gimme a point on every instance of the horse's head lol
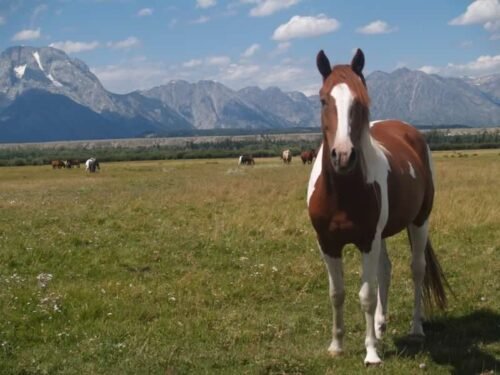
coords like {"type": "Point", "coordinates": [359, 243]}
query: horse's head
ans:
{"type": "Point", "coordinates": [344, 114]}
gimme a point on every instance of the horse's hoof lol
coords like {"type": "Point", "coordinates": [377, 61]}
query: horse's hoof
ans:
{"type": "Point", "coordinates": [335, 353]}
{"type": "Point", "coordinates": [372, 359]}
{"type": "Point", "coordinates": [373, 363]}
{"type": "Point", "coordinates": [416, 338]}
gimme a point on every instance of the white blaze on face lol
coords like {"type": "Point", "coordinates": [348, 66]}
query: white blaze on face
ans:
{"type": "Point", "coordinates": [343, 99]}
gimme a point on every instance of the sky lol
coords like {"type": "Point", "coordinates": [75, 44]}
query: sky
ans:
{"type": "Point", "coordinates": [138, 44]}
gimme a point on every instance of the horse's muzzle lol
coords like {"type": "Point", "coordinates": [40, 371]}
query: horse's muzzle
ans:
{"type": "Point", "coordinates": [344, 161]}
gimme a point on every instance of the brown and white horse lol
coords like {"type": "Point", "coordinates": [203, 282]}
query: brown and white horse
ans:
{"type": "Point", "coordinates": [369, 183]}
{"type": "Point", "coordinates": [286, 156]}
{"type": "Point", "coordinates": [308, 156]}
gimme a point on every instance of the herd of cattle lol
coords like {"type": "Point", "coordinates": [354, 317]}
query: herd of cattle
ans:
{"type": "Point", "coordinates": [91, 165]}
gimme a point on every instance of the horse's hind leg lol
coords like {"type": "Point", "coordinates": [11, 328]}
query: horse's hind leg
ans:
{"type": "Point", "coordinates": [384, 280]}
{"type": "Point", "coordinates": [418, 240]}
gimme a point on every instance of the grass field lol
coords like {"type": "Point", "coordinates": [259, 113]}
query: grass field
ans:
{"type": "Point", "coordinates": [204, 267]}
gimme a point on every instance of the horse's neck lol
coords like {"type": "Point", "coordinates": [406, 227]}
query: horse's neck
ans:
{"type": "Point", "coordinates": [373, 158]}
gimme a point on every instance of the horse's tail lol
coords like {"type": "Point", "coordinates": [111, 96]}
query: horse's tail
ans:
{"type": "Point", "coordinates": [435, 282]}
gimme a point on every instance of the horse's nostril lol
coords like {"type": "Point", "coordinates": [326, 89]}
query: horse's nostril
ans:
{"type": "Point", "coordinates": [334, 154]}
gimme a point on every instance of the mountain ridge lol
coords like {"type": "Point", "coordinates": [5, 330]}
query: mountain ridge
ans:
{"type": "Point", "coordinates": [30, 76]}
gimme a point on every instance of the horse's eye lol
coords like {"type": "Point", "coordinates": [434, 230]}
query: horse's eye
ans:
{"type": "Point", "coordinates": [323, 102]}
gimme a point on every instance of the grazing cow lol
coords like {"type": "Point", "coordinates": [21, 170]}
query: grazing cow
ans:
{"type": "Point", "coordinates": [91, 165]}
{"type": "Point", "coordinates": [369, 183]}
{"type": "Point", "coordinates": [246, 160]}
{"type": "Point", "coordinates": [286, 156]}
{"type": "Point", "coordinates": [308, 156]}
{"type": "Point", "coordinates": [57, 164]}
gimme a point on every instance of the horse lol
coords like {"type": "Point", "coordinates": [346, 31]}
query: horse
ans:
{"type": "Point", "coordinates": [246, 160]}
{"type": "Point", "coordinates": [91, 165]}
{"type": "Point", "coordinates": [57, 164]}
{"type": "Point", "coordinates": [369, 183]}
{"type": "Point", "coordinates": [73, 163]}
{"type": "Point", "coordinates": [308, 156]}
{"type": "Point", "coordinates": [286, 156]}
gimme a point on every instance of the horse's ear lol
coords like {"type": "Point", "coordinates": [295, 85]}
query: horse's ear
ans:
{"type": "Point", "coordinates": [358, 62]}
{"type": "Point", "coordinates": [323, 64]}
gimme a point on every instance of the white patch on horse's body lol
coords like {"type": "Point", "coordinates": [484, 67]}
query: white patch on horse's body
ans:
{"type": "Point", "coordinates": [239, 161]}
{"type": "Point", "coordinates": [315, 173]}
{"type": "Point", "coordinates": [411, 170]}
{"type": "Point", "coordinates": [343, 99]}
{"type": "Point", "coordinates": [19, 70]}
{"type": "Point", "coordinates": [87, 164]}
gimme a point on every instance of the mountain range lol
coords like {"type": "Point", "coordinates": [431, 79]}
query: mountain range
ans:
{"type": "Point", "coordinates": [47, 96]}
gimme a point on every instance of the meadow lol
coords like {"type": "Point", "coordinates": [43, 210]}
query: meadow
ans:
{"type": "Point", "coordinates": [205, 267]}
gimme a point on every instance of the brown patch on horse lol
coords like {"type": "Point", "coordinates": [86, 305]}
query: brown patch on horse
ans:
{"type": "Point", "coordinates": [344, 221]}
{"type": "Point", "coordinates": [406, 147]}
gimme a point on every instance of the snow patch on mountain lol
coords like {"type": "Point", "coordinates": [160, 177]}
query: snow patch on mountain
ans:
{"type": "Point", "coordinates": [19, 70]}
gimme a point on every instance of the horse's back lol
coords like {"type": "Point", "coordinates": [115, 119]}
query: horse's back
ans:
{"type": "Point", "coordinates": [411, 185]}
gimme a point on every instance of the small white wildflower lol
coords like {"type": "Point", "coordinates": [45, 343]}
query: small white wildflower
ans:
{"type": "Point", "coordinates": [172, 299]}
{"type": "Point", "coordinates": [422, 366]}
{"type": "Point", "coordinates": [243, 259]}
{"type": "Point", "coordinates": [44, 279]}
{"type": "Point", "coordinates": [275, 269]}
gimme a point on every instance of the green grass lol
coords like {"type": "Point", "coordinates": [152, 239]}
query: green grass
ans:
{"type": "Point", "coordinates": [204, 267]}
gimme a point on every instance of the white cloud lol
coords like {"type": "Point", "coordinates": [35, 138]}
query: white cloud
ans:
{"type": "Point", "coordinates": [145, 12]}
{"type": "Point", "coordinates": [376, 27]}
{"type": "Point", "coordinates": [2, 20]}
{"type": "Point", "coordinates": [281, 74]}
{"type": "Point", "coordinates": [192, 63]}
{"type": "Point", "coordinates": [75, 47]}
{"type": "Point", "coordinates": [492, 26]}
{"type": "Point", "coordinates": [218, 60]}
{"type": "Point", "coordinates": [268, 7]}
{"type": "Point", "coordinates": [250, 51]}
{"type": "Point", "coordinates": [481, 66]}
{"type": "Point", "coordinates": [172, 23]}
{"type": "Point", "coordinates": [236, 72]}
{"type": "Point", "coordinates": [429, 69]}
{"type": "Point", "coordinates": [201, 19]}
{"type": "Point", "coordinates": [205, 3]}
{"type": "Point", "coordinates": [480, 11]}
{"type": "Point", "coordinates": [305, 26]}
{"type": "Point", "coordinates": [132, 76]}
{"type": "Point", "coordinates": [130, 42]}
{"type": "Point", "coordinates": [27, 35]}
{"type": "Point", "coordinates": [37, 12]}
{"type": "Point", "coordinates": [281, 48]}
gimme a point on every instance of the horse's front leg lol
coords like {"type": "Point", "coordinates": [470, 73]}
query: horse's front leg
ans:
{"type": "Point", "coordinates": [368, 299]}
{"type": "Point", "coordinates": [384, 280]}
{"type": "Point", "coordinates": [337, 296]}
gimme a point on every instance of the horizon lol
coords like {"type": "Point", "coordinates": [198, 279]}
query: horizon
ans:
{"type": "Point", "coordinates": [263, 43]}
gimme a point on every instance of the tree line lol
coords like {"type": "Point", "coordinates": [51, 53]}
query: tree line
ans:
{"type": "Point", "coordinates": [267, 146]}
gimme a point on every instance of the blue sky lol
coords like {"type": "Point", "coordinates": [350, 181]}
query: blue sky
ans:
{"type": "Point", "coordinates": [138, 44]}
